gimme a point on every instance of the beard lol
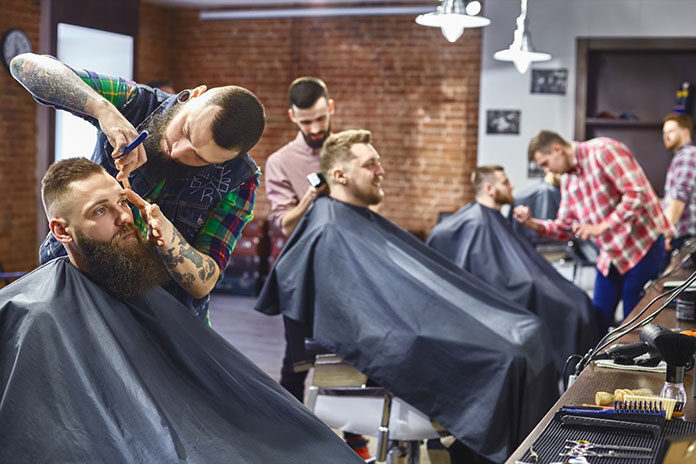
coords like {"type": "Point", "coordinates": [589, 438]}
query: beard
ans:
{"type": "Point", "coordinates": [369, 197]}
{"type": "Point", "coordinates": [165, 166]}
{"type": "Point", "coordinates": [673, 145]}
{"type": "Point", "coordinates": [318, 143]}
{"type": "Point", "coordinates": [503, 198]}
{"type": "Point", "coordinates": [124, 270]}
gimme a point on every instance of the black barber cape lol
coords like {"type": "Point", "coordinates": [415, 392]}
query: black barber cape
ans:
{"type": "Point", "coordinates": [85, 377]}
{"type": "Point", "coordinates": [543, 200]}
{"type": "Point", "coordinates": [480, 240]}
{"type": "Point", "coordinates": [432, 334]}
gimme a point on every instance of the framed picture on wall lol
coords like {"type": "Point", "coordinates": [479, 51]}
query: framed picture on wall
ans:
{"type": "Point", "coordinates": [553, 81]}
{"type": "Point", "coordinates": [534, 171]}
{"type": "Point", "coordinates": [503, 122]}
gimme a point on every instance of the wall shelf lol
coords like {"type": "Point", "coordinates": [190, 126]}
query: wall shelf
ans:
{"type": "Point", "coordinates": [622, 123]}
{"type": "Point", "coordinates": [637, 76]}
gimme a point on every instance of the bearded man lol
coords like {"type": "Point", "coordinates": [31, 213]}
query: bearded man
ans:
{"type": "Point", "coordinates": [193, 164]}
{"type": "Point", "coordinates": [480, 240]}
{"type": "Point", "coordinates": [98, 364]}
{"type": "Point", "coordinates": [432, 334]}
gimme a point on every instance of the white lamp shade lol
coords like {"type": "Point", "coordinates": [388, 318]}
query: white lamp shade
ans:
{"type": "Point", "coordinates": [521, 58]}
{"type": "Point", "coordinates": [436, 19]}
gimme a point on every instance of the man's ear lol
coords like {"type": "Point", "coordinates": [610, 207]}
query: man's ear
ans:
{"type": "Point", "coordinates": [488, 188]}
{"type": "Point", "coordinates": [338, 177]}
{"type": "Point", "coordinates": [331, 106]}
{"type": "Point", "coordinates": [198, 91]}
{"type": "Point", "coordinates": [60, 230]}
{"type": "Point", "coordinates": [291, 115]}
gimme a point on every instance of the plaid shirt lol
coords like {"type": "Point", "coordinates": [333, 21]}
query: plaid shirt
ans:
{"type": "Point", "coordinates": [220, 232]}
{"type": "Point", "coordinates": [223, 227]}
{"type": "Point", "coordinates": [681, 185]}
{"type": "Point", "coordinates": [606, 184]}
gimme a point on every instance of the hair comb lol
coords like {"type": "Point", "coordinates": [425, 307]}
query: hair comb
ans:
{"type": "Point", "coordinates": [644, 404]}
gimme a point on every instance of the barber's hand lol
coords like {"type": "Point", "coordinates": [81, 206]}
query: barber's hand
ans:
{"type": "Point", "coordinates": [312, 193]}
{"type": "Point", "coordinates": [585, 231]}
{"type": "Point", "coordinates": [522, 214]}
{"type": "Point", "coordinates": [159, 229]}
{"type": "Point", "coordinates": [120, 133]}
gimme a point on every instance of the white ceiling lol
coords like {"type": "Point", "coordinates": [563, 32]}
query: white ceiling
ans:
{"type": "Point", "coordinates": [276, 3]}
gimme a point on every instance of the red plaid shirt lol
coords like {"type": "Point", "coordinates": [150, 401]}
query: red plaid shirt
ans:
{"type": "Point", "coordinates": [606, 184]}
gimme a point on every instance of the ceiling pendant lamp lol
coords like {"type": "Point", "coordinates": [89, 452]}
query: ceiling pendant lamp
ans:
{"type": "Point", "coordinates": [521, 52]}
{"type": "Point", "coordinates": [452, 17]}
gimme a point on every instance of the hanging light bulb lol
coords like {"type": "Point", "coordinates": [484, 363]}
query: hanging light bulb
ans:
{"type": "Point", "coordinates": [473, 8]}
{"type": "Point", "coordinates": [521, 52]}
{"type": "Point", "coordinates": [452, 18]}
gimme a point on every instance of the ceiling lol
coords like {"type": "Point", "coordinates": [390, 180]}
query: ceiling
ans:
{"type": "Point", "coordinates": [230, 4]}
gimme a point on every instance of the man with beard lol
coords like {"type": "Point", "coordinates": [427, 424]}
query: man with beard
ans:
{"type": "Point", "coordinates": [680, 185]}
{"type": "Point", "coordinates": [91, 217]}
{"type": "Point", "coordinates": [98, 364]}
{"type": "Point", "coordinates": [480, 240]}
{"type": "Point", "coordinates": [429, 332]}
{"type": "Point", "coordinates": [193, 164]}
{"type": "Point", "coordinates": [311, 110]}
{"type": "Point", "coordinates": [606, 196]}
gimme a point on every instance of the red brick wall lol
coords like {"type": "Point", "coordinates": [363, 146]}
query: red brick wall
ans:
{"type": "Point", "coordinates": [18, 214]}
{"type": "Point", "coordinates": [415, 91]}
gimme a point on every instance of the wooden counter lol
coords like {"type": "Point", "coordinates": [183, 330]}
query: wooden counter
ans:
{"type": "Point", "coordinates": [593, 378]}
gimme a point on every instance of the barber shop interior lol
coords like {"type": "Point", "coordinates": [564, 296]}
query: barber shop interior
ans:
{"type": "Point", "coordinates": [345, 231]}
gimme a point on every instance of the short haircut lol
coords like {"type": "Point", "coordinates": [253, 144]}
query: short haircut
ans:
{"type": "Point", "coordinates": [241, 120]}
{"type": "Point", "coordinates": [305, 91]}
{"type": "Point", "coordinates": [336, 148]}
{"type": "Point", "coordinates": [484, 174]}
{"type": "Point", "coordinates": [542, 141]}
{"type": "Point", "coordinates": [684, 121]}
{"type": "Point", "coordinates": [55, 185]}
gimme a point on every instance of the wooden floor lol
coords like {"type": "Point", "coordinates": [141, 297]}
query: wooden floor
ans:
{"type": "Point", "coordinates": [259, 337]}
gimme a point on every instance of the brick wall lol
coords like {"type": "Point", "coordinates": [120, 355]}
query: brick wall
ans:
{"type": "Point", "coordinates": [415, 91]}
{"type": "Point", "coordinates": [18, 215]}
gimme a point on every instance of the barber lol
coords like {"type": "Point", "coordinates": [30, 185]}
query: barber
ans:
{"type": "Point", "coordinates": [605, 196]}
{"type": "Point", "coordinates": [193, 164]}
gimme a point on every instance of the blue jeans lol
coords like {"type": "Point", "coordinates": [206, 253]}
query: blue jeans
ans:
{"type": "Point", "coordinates": [629, 286]}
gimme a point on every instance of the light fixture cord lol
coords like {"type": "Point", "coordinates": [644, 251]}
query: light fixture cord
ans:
{"type": "Point", "coordinates": [521, 21]}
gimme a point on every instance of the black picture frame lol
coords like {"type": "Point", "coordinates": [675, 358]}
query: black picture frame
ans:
{"type": "Point", "coordinates": [550, 81]}
{"type": "Point", "coordinates": [503, 122]}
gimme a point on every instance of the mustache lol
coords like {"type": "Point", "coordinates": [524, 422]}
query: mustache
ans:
{"type": "Point", "coordinates": [125, 230]}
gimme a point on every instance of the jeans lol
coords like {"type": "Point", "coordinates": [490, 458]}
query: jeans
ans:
{"type": "Point", "coordinates": [295, 334]}
{"type": "Point", "coordinates": [610, 289]}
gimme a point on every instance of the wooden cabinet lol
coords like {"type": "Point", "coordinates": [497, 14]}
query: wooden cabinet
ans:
{"type": "Point", "coordinates": [635, 81]}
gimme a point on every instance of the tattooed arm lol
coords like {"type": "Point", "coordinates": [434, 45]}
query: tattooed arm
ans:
{"type": "Point", "coordinates": [194, 271]}
{"type": "Point", "coordinates": [53, 82]}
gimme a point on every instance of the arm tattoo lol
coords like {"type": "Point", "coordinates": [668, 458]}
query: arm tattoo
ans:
{"type": "Point", "coordinates": [56, 84]}
{"type": "Point", "coordinates": [179, 252]}
{"type": "Point", "coordinates": [185, 280]}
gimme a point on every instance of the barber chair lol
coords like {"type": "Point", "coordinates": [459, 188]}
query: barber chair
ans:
{"type": "Point", "coordinates": [342, 398]}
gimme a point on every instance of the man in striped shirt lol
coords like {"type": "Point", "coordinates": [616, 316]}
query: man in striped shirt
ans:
{"type": "Point", "coordinates": [606, 197]}
{"type": "Point", "coordinates": [193, 165]}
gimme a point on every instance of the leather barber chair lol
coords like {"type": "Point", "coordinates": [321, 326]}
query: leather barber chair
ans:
{"type": "Point", "coordinates": [341, 397]}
